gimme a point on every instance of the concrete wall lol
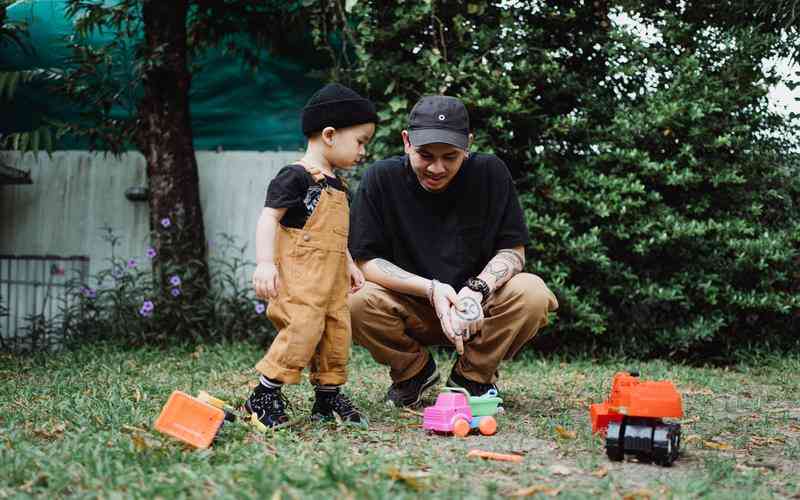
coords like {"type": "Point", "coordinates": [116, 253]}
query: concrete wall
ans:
{"type": "Point", "coordinates": [75, 193]}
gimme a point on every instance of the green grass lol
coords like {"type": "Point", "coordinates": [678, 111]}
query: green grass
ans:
{"type": "Point", "coordinates": [79, 424]}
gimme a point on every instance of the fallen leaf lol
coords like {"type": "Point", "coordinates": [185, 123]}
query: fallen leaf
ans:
{"type": "Point", "coordinates": [198, 351]}
{"type": "Point", "coordinates": [142, 442]}
{"type": "Point", "coordinates": [689, 421]}
{"type": "Point", "coordinates": [534, 490]}
{"type": "Point", "coordinates": [413, 480]}
{"type": "Point", "coordinates": [137, 395]}
{"type": "Point", "coordinates": [765, 441]}
{"type": "Point", "coordinates": [695, 391]}
{"type": "Point", "coordinates": [53, 432]}
{"type": "Point", "coordinates": [564, 433]}
{"type": "Point", "coordinates": [692, 438]}
{"type": "Point", "coordinates": [717, 446]}
{"type": "Point", "coordinates": [640, 494]}
{"type": "Point", "coordinates": [601, 472]}
{"type": "Point", "coordinates": [560, 470]}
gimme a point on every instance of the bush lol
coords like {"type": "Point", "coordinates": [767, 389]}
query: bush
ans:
{"type": "Point", "coordinates": [124, 303]}
{"type": "Point", "coordinates": [660, 190]}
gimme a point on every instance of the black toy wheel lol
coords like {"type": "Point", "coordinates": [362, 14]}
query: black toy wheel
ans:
{"type": "Point", "coordinates": [615, 447]}
{"type": "Point", "coordinates": [666, 444]}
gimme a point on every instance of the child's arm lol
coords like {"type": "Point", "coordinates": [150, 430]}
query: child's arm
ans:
{"type": "Point", "coordinates": [265, 277]}
{"type": "Point", "coordinates": [356, 276]}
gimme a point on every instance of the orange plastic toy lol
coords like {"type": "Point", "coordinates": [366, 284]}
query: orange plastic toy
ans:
{"type": "Point", "coordinates": [190, 420]}
{"type": "Point", "coordinates": [631, 419]}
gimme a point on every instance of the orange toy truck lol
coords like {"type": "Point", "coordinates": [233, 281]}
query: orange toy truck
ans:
{"type": "Point", "coordinates": [631, 419]}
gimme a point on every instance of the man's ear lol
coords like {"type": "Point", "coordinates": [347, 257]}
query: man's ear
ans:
{"type": "Point", "coordinates": [407, 142]}
{"type": "Point", "coordinates": [327, 135]}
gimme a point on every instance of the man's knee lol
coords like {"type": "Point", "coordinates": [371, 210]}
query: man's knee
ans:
{"type": "Point", "coordinates": [532, 293]}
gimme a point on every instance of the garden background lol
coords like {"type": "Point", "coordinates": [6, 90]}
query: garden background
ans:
{"type": "Point", "coordinates": [660, 187]}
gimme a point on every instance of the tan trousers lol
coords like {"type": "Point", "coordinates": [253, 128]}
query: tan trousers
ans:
{"type": "Point", "coordinates": [310, 312]}
{"type": "Point", "coordinates": [394, 327]}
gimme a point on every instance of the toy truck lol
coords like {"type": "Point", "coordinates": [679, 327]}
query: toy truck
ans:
{"type": "Point", "coordinates": [458, 413]}
{"type": "Point", "coordinates": [632, 416]}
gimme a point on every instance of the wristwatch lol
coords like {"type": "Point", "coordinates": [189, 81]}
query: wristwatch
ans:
{"type": "Point", "coordinates": [479, 285]}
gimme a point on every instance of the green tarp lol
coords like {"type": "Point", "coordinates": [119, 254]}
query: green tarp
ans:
{"type": "Point", "coordinates": [232, 107]}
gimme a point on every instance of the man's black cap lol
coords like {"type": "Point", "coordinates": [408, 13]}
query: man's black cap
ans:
{"type": "Point", "coordinates": [439, 119]}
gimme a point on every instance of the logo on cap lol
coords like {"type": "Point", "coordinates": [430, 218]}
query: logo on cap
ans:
{"type": "Point", "coordinates": [441, 118]}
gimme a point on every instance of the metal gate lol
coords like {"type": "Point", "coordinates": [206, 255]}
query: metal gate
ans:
{"type": "Point", "coordinates": [36, 289]}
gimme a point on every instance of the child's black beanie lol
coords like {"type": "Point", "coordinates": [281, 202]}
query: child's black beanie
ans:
{"type": "Point", "coordinates": [336, 106]}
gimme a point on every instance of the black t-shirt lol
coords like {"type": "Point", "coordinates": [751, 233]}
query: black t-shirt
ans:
{"type": "Point", "coordinates": [294, 189]}
{"type": "Point", "coordinates": [450, 235]}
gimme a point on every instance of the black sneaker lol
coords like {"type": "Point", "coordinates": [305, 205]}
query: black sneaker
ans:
{"type": "Point", "coordinates": [268, 406]}
{"type": "Point", "coordinates": [408, 393]}
{"type": "Point", "coordinates": [329, 403]}
{"type": "Point", "coordinates": [472, 387]}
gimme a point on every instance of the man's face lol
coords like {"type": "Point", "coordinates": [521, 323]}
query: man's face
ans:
{"type": "Point", "coordinates": [435, 165]}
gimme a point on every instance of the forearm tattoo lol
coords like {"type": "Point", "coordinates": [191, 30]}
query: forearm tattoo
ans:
{"type": "Point", "coordinates": [392, 270]}
{"type": "Point", "coordinates": [504, 266]}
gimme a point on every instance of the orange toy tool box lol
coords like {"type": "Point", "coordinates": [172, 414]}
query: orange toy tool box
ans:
{"type": "Point", "coordinates": [190, 420]}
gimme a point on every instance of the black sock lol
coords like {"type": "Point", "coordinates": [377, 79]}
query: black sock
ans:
{"type": "Point", "coordinates": [326, 390]}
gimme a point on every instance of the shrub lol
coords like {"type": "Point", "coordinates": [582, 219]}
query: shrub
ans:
{"type": "Point", "coordinates": [660, 190]}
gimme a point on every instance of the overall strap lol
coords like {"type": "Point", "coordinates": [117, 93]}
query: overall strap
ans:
{"type": "Point", "coordinates": [315, 173]}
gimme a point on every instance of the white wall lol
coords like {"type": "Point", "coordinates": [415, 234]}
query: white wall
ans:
{"type": "Point", "coordinates": [75, 193]}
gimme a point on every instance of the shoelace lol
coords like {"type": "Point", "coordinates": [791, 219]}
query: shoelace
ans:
{"type": "Point", "coordinates": [344, 407]}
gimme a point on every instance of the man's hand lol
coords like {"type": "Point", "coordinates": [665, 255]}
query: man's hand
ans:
{"type": "Point", "coordinates": [265, 280]}
{"type": "Point", "coordinates": [467, 313]}
{"type": "Point", "coordinates": [356, 276]}
{"type": "Point", "coordinates": [444, 297]}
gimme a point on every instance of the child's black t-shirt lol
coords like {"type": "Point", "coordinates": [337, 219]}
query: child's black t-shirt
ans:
{"type": "Point", "coordinates": [294, 189]}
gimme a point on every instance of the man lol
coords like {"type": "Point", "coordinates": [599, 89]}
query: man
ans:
{"type": "Point", "coordinates": [424, 225]}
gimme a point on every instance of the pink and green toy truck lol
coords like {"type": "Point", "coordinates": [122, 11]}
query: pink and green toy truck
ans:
{"type": "Point", "coordinates": [457, 413]}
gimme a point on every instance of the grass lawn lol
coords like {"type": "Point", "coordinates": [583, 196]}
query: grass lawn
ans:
{"type": "Point", "coordinates": [79, 424]}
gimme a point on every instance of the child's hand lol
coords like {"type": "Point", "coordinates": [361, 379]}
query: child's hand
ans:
{"type": "Point", "coordinates": [356, 277]}
{"type": "Point", "coordinates": [265, 281]}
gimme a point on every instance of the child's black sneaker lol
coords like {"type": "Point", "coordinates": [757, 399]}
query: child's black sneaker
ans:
{"type": "Point", "coordinates": [408, 393]}
{"type": "Point", "coordinates": [473, 388]}
{"type": "Point", "coordinates": [268, 406]}
{"type": "Point", "coordinates": [330, 402]}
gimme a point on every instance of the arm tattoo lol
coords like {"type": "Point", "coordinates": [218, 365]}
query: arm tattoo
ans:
{"type": "Point", "coordinates": [504, 266]}
{"type": "Point", "coordinates": [497, 269]}
{"type": "Point", "coordinates": [392, 270]}
{"type": "Point", "coordinates": [514, 255]}
{"type": "Point", "coordinates": [472, 309]}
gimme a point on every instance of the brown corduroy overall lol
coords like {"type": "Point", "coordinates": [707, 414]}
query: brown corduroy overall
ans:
{"type": "Point", "coordinates": [310, 312]}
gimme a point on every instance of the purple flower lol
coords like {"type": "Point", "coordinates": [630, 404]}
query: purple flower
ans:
{"type": "Point", "coordinates": [165, 222]}
{"type": "Point", "coordinates": [148, 306]}
{"type": "Point", "coordinates": [144, 313]}
{"type": "Point", "coordinates": [260, 308]}
{"type": "Point", "coordinates": [175, 280]}
{"type": "Point", "coordinates": [175, 292]}
{"type": "Point", "coordinates": [89, 293]}
{"type": "Point", "coordinates": [117, 273]}
{"type": "Point", "coordinates": [132, 263]}
{"type": "Point", "coordinates": [151, 252]}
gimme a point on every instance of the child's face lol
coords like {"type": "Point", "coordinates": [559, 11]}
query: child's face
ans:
{"type": "Point", "coordinates": [349, 145]}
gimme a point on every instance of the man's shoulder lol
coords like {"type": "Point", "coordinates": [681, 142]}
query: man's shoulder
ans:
{"type": "Point", "coordinates": [385, 169]}
{"type": "Point", "coordinates": [489, 162]}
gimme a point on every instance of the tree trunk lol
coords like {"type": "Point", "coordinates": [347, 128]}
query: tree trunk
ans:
{"type": "Point", "coordinates": [165, 139]}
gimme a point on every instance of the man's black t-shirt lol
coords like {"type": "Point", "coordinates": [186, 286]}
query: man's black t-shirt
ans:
{"type": "Point", "coordinates": [450, 235]}
{"type": "Point", "coordinates": [294, 189]}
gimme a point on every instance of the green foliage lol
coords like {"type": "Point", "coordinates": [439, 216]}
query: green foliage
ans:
{"type": "Point", "coordinates": [126, 304]}
{"type": "Point", "coordinates": [660, 190]}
